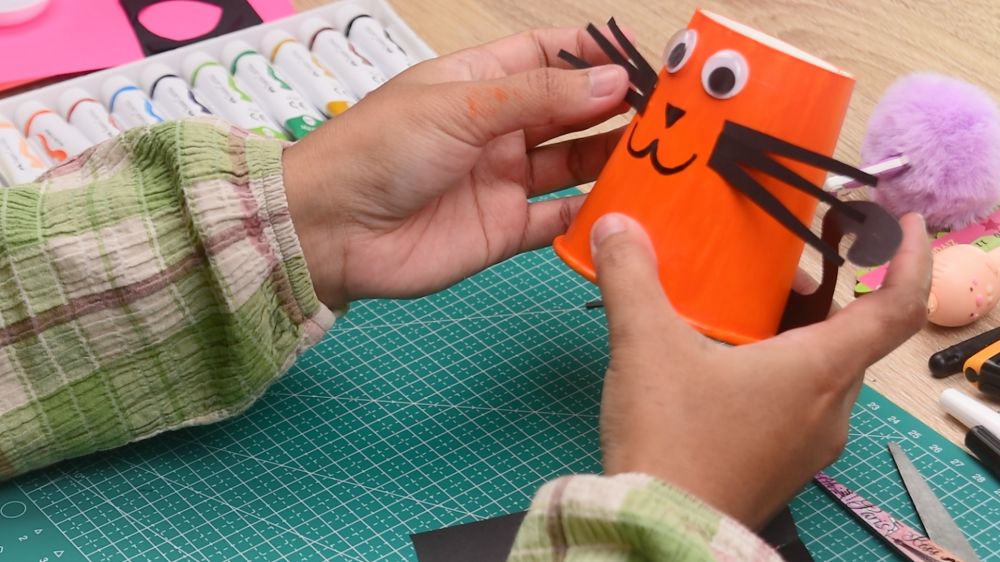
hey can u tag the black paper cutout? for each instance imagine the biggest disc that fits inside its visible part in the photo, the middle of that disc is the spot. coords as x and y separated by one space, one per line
782 534
740 148
632 97
877 239
767 143
640 72
491 540
483 541
645 76
236 15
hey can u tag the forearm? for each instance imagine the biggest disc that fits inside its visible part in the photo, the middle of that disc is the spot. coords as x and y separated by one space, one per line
155 283
629 517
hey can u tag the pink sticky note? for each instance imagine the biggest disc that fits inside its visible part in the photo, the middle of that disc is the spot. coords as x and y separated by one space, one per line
69 36
73 36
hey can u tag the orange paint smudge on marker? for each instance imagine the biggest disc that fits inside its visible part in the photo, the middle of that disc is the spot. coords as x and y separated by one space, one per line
26 151
57 155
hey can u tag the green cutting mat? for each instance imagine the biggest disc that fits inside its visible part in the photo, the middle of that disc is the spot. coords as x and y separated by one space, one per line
413 416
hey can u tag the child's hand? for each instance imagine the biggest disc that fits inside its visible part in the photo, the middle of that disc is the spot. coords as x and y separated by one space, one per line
427 180
743 428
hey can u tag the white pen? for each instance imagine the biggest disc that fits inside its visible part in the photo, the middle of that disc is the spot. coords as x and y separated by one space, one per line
270 90
969 411
218 89
18 162
310 79
335 52
130 107
88 115
371 39
170 93
52 136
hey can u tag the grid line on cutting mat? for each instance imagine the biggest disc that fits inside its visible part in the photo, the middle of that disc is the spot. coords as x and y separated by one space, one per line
415 415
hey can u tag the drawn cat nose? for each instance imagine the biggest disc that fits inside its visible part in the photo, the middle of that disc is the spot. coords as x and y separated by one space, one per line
673 115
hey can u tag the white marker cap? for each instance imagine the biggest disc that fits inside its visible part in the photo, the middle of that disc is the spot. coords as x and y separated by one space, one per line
26 111
111 86
969 411
272 39
345 13
193 62
310 27
234 49
152 73
70 97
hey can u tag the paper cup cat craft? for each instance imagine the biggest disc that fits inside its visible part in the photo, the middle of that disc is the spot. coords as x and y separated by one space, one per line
722 165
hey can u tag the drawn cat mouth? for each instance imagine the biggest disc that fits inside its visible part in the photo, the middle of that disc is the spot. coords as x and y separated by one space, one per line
652 151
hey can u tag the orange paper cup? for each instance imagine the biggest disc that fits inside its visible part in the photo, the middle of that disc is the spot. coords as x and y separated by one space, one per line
726 265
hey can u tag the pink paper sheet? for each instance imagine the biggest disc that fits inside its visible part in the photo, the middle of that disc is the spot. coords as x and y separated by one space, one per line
80 35
69 36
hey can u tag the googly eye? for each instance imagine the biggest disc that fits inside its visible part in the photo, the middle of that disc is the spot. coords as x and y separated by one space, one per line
725 74
679 49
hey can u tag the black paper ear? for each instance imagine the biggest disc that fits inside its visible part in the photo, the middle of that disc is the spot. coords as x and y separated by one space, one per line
236 14
640 72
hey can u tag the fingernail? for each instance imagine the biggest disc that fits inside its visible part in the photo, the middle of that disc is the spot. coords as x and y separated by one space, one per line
605 79
609 224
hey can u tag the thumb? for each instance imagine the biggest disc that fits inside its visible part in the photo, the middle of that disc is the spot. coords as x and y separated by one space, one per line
629 279
541 97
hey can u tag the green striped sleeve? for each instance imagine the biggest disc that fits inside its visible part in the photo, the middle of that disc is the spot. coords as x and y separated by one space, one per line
629 518
152 283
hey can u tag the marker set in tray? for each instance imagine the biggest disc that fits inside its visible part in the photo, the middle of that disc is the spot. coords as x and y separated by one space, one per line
281 80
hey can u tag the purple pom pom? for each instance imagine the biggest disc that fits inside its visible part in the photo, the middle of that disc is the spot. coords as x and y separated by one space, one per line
950 131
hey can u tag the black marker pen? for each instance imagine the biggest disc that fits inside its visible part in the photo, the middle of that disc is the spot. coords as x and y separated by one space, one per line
949 361
986 447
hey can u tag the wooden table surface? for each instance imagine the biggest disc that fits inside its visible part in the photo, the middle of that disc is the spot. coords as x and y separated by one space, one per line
876 40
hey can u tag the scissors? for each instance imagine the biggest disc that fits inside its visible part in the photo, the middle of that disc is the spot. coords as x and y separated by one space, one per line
943 542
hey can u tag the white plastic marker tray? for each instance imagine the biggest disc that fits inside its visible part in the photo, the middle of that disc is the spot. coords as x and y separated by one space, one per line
397 29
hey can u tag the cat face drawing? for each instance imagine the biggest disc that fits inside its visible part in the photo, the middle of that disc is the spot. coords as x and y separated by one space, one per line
722 164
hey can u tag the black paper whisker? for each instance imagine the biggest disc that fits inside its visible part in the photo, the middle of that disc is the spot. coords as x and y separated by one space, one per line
640 73
764 163
739 178
574 60
740 149
763 142
632 97
647 76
